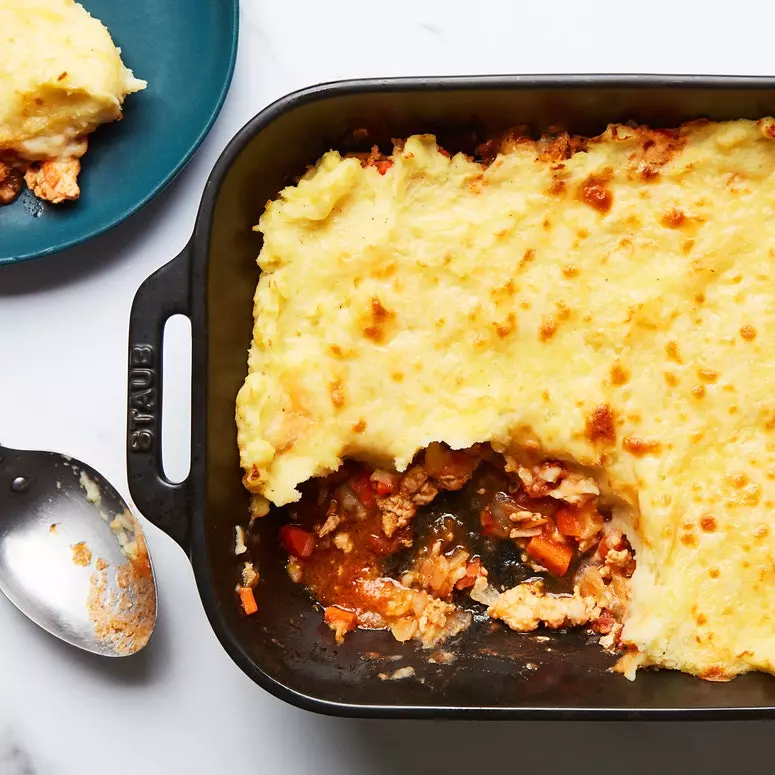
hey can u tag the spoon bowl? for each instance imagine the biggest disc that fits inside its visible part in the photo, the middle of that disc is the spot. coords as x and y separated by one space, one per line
72 556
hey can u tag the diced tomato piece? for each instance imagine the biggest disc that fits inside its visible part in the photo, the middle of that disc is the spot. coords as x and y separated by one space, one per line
553 556
383 166
383 488
569 522
297 541
384 482
362 488
248 600
487 521
334 615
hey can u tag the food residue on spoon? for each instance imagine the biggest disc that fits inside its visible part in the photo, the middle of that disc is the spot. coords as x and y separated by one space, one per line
123 615
52 528
127 532
93 494
81 553
101 564
123 525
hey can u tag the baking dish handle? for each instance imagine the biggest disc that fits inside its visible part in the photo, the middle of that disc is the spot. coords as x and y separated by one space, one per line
165 293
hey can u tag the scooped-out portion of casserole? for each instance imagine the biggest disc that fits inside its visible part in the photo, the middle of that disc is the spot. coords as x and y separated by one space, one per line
61 76
574 333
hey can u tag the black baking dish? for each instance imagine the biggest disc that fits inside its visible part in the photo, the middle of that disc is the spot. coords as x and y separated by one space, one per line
285 648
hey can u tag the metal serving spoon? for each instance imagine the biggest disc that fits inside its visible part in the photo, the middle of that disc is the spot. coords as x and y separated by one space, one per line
72 556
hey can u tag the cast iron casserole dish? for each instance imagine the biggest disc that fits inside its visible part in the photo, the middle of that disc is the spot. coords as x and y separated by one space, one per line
286 648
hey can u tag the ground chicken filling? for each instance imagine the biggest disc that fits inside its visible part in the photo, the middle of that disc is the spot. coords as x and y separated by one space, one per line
375 551
54 180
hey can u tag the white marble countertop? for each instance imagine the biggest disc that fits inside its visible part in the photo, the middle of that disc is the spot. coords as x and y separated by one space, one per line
182 706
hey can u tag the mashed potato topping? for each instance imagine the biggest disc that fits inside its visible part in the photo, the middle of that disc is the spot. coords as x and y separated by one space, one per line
61 76
608 302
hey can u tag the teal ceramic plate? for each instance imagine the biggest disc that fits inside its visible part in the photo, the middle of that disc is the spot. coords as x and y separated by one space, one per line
185 49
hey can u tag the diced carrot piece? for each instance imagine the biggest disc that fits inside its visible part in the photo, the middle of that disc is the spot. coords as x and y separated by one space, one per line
248 600
553 556
569 522
583 522
383 166
362 488
334 614
340 620
297 541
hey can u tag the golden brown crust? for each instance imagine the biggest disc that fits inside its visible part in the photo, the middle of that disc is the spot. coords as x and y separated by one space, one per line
639 446
619 375
595 193
674 219
601 425
548 328
716 674
336 390
380 316
656 148
551 147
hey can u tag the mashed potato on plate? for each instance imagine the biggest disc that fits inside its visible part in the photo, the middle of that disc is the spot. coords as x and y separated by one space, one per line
61 76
